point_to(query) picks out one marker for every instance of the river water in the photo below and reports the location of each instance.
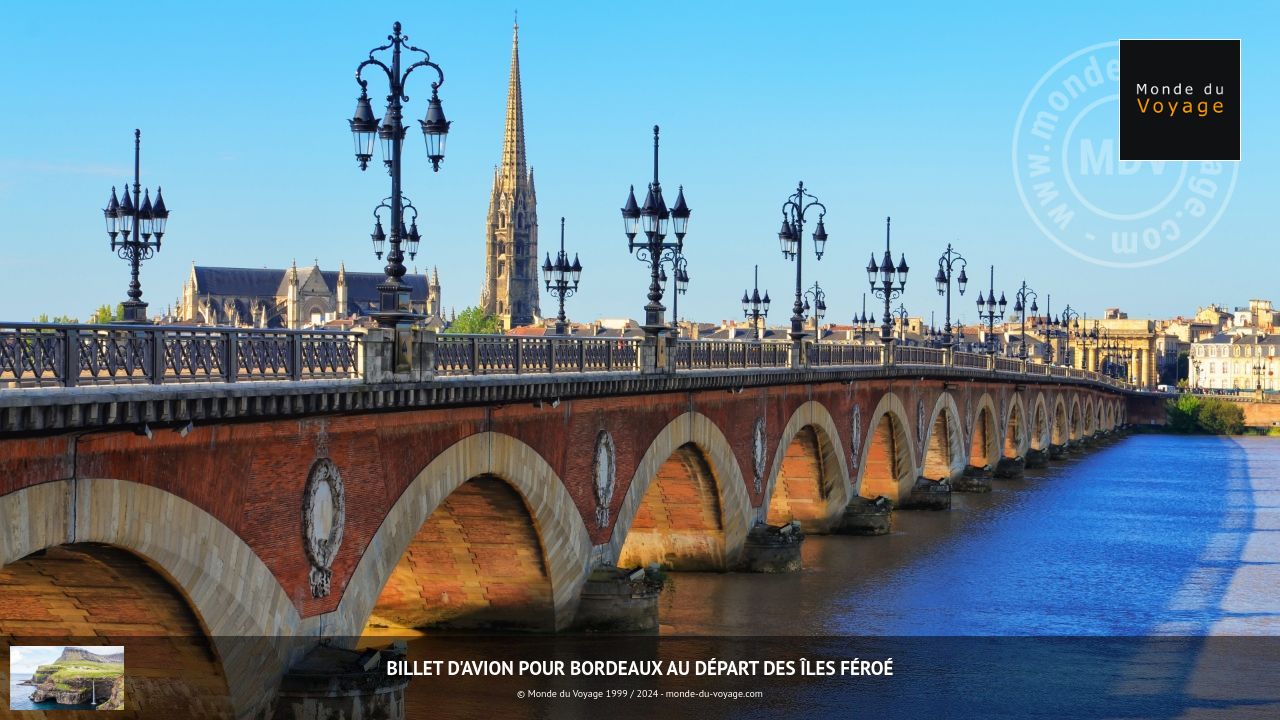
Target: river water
(1112, 584)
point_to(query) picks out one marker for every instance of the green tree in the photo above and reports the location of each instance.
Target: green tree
(106, 314)
(1221, 417)
(473, 321)
(1184, 413)
(56, 319)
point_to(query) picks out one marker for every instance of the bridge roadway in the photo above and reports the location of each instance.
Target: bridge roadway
(278, 487)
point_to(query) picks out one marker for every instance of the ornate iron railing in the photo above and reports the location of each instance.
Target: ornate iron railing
(45, 355)
(52, 355)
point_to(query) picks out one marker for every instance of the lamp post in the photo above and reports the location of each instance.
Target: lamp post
(887, 282)
(652, 219)
(819, 308)
(987, 311)
(680, 269)
(789, 237)
(1020, 306)
(1070, 323)
(140, 227)
(393, 294)
(562, 278)
(755, 308)
(863, 322)
(901, 316)
(946, 264)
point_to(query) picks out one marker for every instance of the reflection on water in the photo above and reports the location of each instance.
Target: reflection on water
(1153, 535)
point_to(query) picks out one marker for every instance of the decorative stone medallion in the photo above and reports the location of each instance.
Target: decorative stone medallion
(758, 443)
(855, 437)
(604, 472)
(324, 510)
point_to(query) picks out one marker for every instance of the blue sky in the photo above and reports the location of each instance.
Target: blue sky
(24, 659)
(903, 109)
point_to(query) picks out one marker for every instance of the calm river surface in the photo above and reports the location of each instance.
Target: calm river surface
(1113, 584)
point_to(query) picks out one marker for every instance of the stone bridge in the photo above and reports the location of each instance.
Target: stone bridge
(263, 515)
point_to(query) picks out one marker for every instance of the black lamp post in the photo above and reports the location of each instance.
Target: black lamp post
(901, 316)
(819, 307)
(562, 278)
(789, 239)
(652, 219)
(139, 224)
(393, 294)
(862, 322)
(680, 271)
(946, 264)
(1070, 324)
(988, 313)
(887, 282)
(1021, 299)
(754, 307)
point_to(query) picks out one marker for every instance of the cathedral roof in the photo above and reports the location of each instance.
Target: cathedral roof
(238, 282)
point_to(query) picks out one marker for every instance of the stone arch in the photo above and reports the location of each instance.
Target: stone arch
(1015, 430)
(810, 479)
(495, 458)
(230, 591)
(984, 449)
(944, 451)
(1061, 431)
(887, 465)
(1076, 419)
(1040, 436)
(1090, 417)
(689, 450)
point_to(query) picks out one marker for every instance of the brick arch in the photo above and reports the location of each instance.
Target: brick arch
(555, 519)
(984, 447)
(693, 441)
(1075, 419)
(887, 464)
(1061, 430)
(230, 590)
(809, 480)
(944, 451)
(1016, 437)
(1040, 435)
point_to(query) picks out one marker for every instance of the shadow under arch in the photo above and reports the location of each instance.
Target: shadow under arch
(984, 449)
(232, 595)
(1016, 438)
(1040, 436)
(1061, 431)
(944, 448)
(1075, 419)
(887, 464)
(689, 453)
(809, 480)
(1090, 418)
(498, 459)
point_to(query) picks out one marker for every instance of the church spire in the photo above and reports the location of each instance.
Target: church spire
(513, 159)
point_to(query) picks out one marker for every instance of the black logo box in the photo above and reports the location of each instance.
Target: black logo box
(1180, 65)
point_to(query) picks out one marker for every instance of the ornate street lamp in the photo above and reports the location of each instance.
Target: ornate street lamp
(393, 294)
(754, 307)
(790, 240)
(987, 311)
(652, 219)
(901, 316)
(561, 278)
(887, 282)
(819, 308)
(946, 264)
(1021, 299)
(1069, 321)
(862, 323)
(139, 224)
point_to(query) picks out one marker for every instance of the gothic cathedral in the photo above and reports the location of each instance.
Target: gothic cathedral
(511, 287)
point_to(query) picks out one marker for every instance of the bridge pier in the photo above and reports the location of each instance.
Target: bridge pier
(1056, 452)
(617, 600)
(772, 549)
(974, 480)
(866, 517)
(1011, 468)
(929, 495)
(1037, 459)
(336, 682)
